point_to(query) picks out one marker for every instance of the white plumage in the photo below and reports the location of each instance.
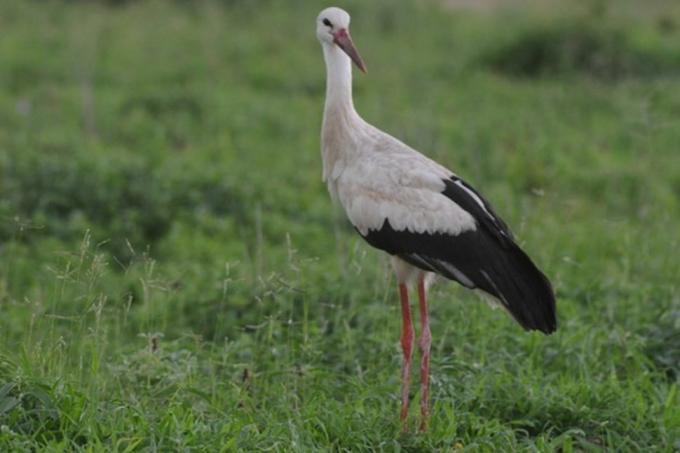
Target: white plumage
(422, 214)
(379, 185)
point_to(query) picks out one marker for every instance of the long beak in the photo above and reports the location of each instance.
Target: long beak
(344, 41)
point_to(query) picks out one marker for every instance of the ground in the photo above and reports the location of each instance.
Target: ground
(174, 277)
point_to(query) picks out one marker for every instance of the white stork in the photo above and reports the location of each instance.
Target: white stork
(428, 219)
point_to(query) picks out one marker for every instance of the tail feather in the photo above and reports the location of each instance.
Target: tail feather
(522, 288)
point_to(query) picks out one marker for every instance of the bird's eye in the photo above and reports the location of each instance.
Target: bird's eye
(327, 23)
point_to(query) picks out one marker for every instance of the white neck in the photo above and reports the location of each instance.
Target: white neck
(341, 122)
(338, 81)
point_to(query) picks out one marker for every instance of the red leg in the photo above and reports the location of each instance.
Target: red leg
(424, 344)
(407, 349)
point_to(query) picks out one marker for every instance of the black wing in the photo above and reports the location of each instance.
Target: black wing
(486, 258)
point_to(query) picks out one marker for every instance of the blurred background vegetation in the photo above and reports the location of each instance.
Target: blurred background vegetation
(174, 276)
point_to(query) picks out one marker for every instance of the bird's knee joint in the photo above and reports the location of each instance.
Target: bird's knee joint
(425, 341)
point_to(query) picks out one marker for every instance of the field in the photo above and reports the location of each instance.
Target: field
(174, 277)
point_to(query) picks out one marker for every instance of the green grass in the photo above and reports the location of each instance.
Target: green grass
(173, 276)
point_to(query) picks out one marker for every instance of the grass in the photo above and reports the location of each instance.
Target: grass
(173, 276)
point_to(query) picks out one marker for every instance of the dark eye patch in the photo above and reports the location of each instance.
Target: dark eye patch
(327, 23)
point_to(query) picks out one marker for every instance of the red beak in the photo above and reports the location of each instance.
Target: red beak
(344, 41)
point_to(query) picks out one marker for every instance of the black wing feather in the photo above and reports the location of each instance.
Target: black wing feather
(486, 215)
(486, 258)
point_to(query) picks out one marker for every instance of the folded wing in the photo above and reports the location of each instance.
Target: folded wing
(450, 229)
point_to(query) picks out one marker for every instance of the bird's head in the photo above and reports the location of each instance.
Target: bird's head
(332, 29)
